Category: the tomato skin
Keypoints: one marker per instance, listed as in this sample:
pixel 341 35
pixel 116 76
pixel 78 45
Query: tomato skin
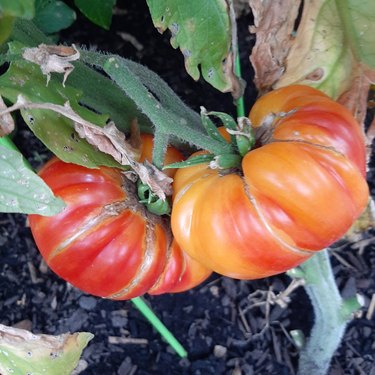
pixel 296 194
pixel 105 242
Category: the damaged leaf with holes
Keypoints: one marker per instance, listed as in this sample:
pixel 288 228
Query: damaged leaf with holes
pixel 202 31
pixel 54 130
pixel 22 352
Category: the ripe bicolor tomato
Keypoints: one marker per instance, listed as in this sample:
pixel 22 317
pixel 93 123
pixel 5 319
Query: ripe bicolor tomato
pixel 297 192
pixel 105 242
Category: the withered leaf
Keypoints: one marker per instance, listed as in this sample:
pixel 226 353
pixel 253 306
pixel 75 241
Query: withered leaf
pixel 355 97
pixel 273 25
pixel 53 59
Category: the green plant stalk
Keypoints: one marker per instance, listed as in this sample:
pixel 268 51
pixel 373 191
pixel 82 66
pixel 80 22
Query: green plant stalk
pixel 240 103
pixel 159 326
pixel 332 313
pixel 138 301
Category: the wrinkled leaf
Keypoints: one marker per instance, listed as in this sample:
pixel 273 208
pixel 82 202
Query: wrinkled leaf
pixel 97 11
pixel 355 98
pixel 21 190
pixel 52 59
pixel 22 352
pixel 332 36
pixel 53 15
pixel 18 8
pixel 202 30
pixel 273 26
pixel 54 130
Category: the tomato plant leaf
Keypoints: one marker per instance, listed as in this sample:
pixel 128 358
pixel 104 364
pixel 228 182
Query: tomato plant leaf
pixel 97 11
pixel 6 27
pixel 21 190
pixel 53 15
pixel 332 39
pixel 358 19
pixel 54 130
pixel 202 30
pixel 22 352
pixel 18 8
pixel 194 160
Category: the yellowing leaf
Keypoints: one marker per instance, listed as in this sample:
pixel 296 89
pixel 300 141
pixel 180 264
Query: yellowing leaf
pixel 22 352
pixel 332 39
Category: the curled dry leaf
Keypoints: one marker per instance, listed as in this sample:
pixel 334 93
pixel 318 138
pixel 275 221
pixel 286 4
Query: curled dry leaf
pixel 112 141
pixel 53 59
pixel 273 25
pixel 6 120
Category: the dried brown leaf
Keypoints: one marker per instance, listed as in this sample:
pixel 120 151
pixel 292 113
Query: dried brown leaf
pixel 53 59
pixel 6 120
pixel 356 100
pixel 273 25
pixel 107 139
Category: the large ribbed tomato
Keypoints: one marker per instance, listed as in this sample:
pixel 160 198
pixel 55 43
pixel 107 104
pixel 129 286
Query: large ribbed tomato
pixel 296 193
pixel 105 242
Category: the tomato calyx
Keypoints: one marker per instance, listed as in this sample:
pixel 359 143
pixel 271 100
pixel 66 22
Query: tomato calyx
pixel 151 201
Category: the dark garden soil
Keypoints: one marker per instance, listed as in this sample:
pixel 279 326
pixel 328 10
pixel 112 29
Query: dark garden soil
pixel 226 325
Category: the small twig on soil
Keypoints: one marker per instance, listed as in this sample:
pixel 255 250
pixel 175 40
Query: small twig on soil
pixel 371 308
pixel 126 340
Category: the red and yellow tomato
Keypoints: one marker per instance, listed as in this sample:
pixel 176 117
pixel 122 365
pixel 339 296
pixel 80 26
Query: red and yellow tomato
pixel 105 242
pixel 296 193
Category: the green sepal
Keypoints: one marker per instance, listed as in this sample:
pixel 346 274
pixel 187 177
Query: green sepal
pixel 225 161
pixel 245 139
pixel 194 160
pixel 153 203
pixel 228 121
pixel 210 127
pixel 159 207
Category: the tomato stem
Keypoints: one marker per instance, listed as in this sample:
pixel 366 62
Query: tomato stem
pixel 332 314
pixel 140 304
pixel 240 103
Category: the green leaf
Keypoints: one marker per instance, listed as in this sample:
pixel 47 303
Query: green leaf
pixel 22 352
pixel 97 11
pixel 334 38
pixel 21 190
pixel 54 130
pixel 6 27
pixel 53 15
pixel 201 29
pixel 18 8
pixel 358 18
pixel 194 160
